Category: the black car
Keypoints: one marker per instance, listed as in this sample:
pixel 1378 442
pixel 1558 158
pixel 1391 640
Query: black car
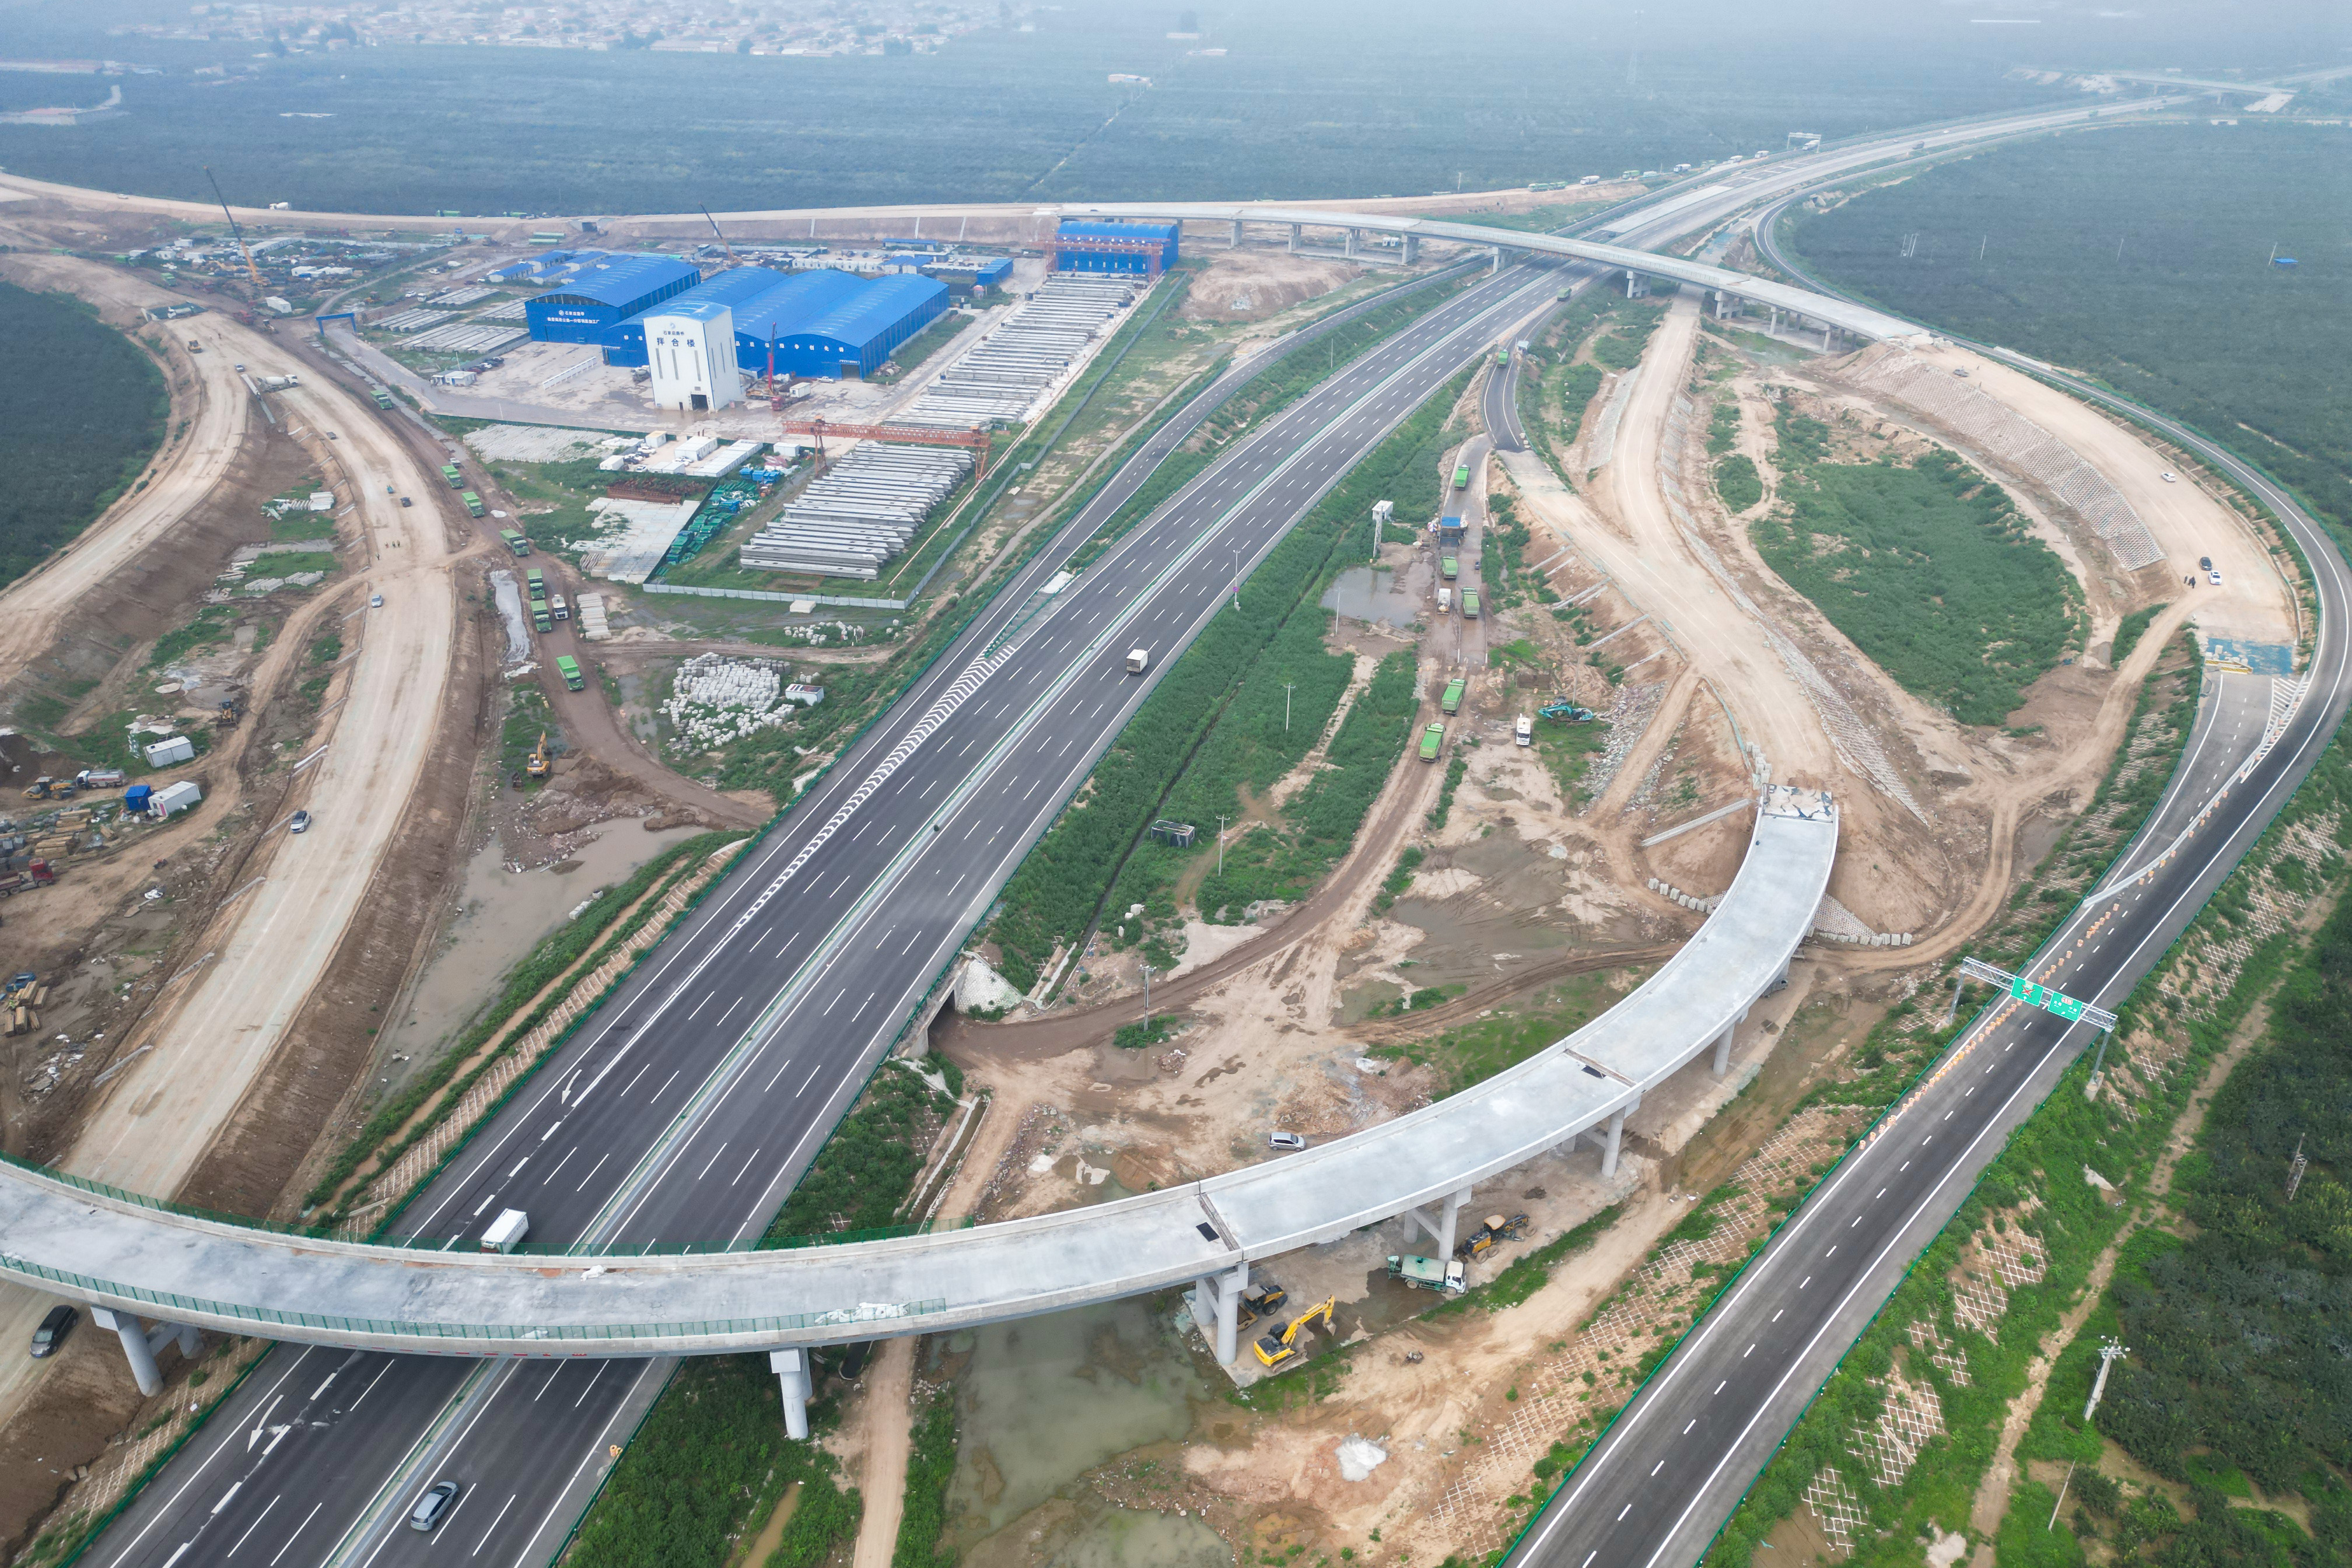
pixel 434 1506
pixel 53 1331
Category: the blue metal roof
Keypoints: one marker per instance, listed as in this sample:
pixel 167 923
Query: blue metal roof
pixel 879 306
pixel 693 309
pixel 792 306
pixel 737 286
pixel 1080 228
pixel 625 278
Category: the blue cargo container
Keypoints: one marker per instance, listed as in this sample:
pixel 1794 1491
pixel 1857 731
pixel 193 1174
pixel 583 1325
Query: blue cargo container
pixel 135 799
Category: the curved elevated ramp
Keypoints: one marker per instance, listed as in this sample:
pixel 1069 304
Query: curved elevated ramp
pixel 117 1252
pixel 1846 317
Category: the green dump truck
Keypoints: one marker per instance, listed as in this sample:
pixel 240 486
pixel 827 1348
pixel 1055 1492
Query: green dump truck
pixel 449 472
pixel 514 542
pixel 1469 603
pixel 569 668
pixel 473 502
pixel 1461 476
pixel 1449 567
pixel 1453 699
pixel 1432 741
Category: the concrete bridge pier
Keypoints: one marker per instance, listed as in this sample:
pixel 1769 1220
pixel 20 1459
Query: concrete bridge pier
pixel 1237 234
pixel 1294 237
pixel 1411 249
pixel 1222 1296
pixel 1443 1230
pixel 1776 317
pixel 1615 1140
pixel 1355 243
pixel 790 1367
pixel 139 1345
pixel 1723 1050
pixel 1494 261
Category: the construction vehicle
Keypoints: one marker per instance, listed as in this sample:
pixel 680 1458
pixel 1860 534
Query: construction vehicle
pixel 1562 708
pixel 1262 1302
pixel 40 787
pixel 1469 603
pixel 1448 567
pixel 1432 741
pixel 1451 702
pixel 536 764
pixel 514 542
pixel 449 472
pixel 98 778
pixel 37 875
pixel 1277 1350
pixel 226 716
pixel 251 270
pixel 1461 476
pixel 473 502
pixel 194 347
pixel 1427 1273
pixel 382 398
pixel 1496 1228
pixel 1523 730
pixel 534 583
pixel 558 608
pixel 569 668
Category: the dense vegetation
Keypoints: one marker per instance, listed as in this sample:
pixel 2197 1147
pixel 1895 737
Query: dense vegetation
pixel 930 1469
pixel 868 1165
pixel 2237 1332
pixel 70 441
pixel 1213 726
pixel 1310 100
pixel 1928 568
pixel 711 1455
pixel 1737 482
pixel 2019 246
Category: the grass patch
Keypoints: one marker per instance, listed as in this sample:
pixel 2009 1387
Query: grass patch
pixel 1457 768
pixel 1737 482
pixel 1926 567
pixel 1393 886
pixel 214 625
pixel 287 563
pixel 2130 629
pixel 1476 1051
pixel 930 1467
pixel 908 356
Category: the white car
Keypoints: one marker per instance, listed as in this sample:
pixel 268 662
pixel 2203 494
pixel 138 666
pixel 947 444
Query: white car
pixel 2214 578
pixel 1284 1140
pixel 2169 478
pixel 375 601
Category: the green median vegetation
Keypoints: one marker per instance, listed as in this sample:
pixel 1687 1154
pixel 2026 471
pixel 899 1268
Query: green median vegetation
pixel 930 1469
pixel 1926 567
pixel 1213 728
pixel 864 1172
pixel 711 1457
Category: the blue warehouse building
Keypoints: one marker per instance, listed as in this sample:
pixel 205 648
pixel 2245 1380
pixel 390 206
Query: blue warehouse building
pixel 604 292
pixel 1149 248
pixel 818 323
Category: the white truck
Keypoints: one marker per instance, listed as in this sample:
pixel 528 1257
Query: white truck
pixel 1444 601
pixel 507 1231
pixel 1428 1273
pixel 1524 732
pixel 1138 659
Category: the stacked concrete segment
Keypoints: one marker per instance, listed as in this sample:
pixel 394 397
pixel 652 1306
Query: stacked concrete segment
pixel 861 514
pixel 1024 359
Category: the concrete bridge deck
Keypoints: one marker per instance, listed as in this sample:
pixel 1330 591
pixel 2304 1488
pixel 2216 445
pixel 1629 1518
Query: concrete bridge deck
pixel 1844 315
pixel 149 1261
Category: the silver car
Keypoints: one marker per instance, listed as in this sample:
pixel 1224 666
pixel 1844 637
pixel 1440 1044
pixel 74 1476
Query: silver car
pixel 434 1506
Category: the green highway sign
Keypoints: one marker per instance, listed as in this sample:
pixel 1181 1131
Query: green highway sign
pixel 2041 996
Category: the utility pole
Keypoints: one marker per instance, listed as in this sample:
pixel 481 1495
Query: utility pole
pixel 1221 846
pixel 2107 1354
pixel 1980 246
pixel 2120 250
pixel 2295 1170
pixel 1285 729
pixel 1147 999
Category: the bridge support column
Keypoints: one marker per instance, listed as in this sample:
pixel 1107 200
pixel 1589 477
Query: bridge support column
pixel 1615 1141
pixel 1411 249
pixel 1294 237
pixel 1494 261
pixel 136 1347
pixel 1355 240
pixel 1723 1050
pixel 1227 1298
pixel 790 1367
pixel 1443 1230
pixel 1776 317
pixel 1237 234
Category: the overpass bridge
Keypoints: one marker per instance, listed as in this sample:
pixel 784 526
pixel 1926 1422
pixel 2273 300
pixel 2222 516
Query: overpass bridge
pixel 132 1257
pixel 1784 299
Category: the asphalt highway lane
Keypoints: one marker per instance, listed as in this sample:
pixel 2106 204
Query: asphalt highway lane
pixel 688 1106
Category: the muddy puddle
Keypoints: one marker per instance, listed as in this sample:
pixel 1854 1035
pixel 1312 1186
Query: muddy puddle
pixel 1042 1402
pixel 1373 594
pixel 503 915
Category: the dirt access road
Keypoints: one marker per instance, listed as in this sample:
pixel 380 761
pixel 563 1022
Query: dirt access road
pixel 207 393
pixel 187 1067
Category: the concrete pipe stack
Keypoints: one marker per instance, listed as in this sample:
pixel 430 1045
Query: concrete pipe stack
pixel 715 700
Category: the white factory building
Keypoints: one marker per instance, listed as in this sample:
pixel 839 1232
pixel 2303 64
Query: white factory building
pixel 691 352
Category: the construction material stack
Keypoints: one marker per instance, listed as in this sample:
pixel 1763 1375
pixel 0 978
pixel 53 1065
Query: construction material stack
pixel 865 512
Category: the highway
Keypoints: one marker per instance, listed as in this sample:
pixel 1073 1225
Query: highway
pixel 693 1101
pixel 1670 1470
pixel 691 1104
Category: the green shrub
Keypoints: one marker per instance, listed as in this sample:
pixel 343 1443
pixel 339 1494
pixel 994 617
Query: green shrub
pixel 1737 482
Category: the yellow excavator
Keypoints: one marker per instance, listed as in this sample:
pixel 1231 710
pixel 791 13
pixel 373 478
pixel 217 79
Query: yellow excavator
pixel 1274 1350
pixel 536 764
